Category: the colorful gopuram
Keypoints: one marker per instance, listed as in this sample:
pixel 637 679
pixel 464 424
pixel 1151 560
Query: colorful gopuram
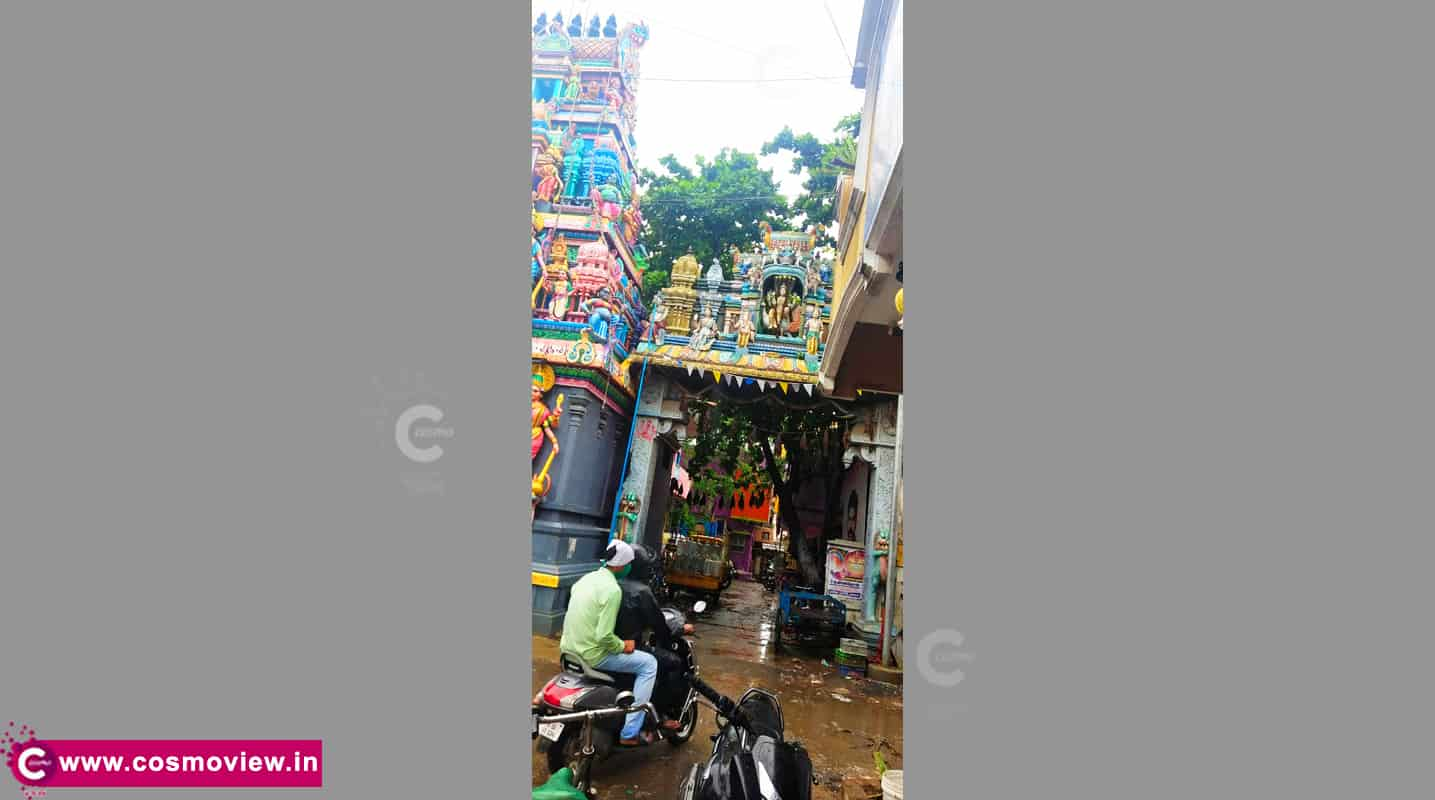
pixel 587 313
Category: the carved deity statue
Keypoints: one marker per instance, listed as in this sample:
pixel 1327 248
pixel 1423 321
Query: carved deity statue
pixel 745 327
pixel 813 329
pixel 573 158
pixel 572 84
pixel 632 222
pixel 706 332
pixel 543 421
pixel 658 323
pixel 562 291
pixel 606 199
pixel 537 268
pixel 549 184
pixel 628 518
pixel 602 315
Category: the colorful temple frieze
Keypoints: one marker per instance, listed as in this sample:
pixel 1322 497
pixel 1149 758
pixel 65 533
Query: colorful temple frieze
pixel 767 324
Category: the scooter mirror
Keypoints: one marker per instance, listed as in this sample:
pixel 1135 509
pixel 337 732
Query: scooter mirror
pixel 625 699
pixel 700 606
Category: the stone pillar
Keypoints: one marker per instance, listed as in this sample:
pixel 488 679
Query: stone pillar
pixel 874 440
pixel 659 413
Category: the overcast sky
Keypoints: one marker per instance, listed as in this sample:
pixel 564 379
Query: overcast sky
pixel 706 46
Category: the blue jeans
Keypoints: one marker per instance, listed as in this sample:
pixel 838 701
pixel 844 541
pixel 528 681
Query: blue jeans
pixel 645 667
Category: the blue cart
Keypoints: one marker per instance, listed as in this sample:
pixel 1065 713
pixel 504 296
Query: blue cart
pixel 808 618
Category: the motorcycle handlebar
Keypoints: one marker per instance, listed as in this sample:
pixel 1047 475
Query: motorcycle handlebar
pixel 725 705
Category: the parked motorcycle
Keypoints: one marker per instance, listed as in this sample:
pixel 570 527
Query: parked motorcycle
pixel 767 576
pixel 750 758
pixel 578 715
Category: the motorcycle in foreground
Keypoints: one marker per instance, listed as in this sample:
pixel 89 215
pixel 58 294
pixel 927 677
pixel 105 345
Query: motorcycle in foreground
pixel 578 715
pixel 750 758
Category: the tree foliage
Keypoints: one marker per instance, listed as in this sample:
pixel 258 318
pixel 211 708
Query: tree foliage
pixel 784 446
pixel 705 211
pixel 825 163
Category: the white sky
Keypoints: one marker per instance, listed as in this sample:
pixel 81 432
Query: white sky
pixel 735 39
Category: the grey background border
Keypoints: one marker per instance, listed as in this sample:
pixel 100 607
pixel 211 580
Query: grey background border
pixel 1169 401
pixel 240 238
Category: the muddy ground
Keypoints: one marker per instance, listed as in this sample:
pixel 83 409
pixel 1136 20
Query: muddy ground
pixel 841 721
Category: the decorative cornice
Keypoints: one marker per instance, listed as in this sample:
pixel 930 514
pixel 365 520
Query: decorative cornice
pixel 781 369
pixel 596 381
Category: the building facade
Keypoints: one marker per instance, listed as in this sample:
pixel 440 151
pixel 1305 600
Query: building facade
pixel 864 342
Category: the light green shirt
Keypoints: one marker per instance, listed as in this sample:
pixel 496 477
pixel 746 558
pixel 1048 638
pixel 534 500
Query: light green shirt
pixel 592 612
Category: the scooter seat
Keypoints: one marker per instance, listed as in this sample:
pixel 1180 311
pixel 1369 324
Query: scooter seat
pixel 578 666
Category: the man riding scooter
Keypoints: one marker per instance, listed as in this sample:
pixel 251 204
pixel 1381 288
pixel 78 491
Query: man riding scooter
pixel 640 612
pixel 589 633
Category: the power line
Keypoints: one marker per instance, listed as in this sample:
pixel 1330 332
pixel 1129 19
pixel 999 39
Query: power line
pixel 833 20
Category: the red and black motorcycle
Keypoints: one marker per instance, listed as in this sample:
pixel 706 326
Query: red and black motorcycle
pixel 578 715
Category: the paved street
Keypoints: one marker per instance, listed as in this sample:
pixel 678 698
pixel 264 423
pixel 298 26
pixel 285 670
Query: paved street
pixel 841 721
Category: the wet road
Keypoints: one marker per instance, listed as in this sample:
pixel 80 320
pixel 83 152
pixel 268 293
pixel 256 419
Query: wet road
pixel 840 721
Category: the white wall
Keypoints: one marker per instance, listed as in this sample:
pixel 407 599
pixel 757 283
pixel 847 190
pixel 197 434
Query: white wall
pixel 884 126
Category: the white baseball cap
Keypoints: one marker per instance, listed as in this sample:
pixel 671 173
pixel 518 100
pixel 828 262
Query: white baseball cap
pixel 618 554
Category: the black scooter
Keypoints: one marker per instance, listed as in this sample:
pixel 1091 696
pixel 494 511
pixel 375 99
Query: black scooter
pixel 579 714
pixel 750 759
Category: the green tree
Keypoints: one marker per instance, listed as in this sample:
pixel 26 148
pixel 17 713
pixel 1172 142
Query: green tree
pixel 825 163
pixel 791 446
pixel 705 211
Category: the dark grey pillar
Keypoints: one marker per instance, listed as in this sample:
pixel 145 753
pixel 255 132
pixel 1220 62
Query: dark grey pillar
pixel 571 526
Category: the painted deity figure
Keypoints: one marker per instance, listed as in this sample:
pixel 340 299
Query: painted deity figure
pixel 606 199
pixel 628 518
pixel 573 158
pixel 601 315
pixel 562 292
pixel 793 314
pixel 543 421
pixel 549 184
pixel 537 269
pixel 776 309
pixel 813 328
pixel 814 279
pixel 658 323
pixel 632 222
pixel 570 87
pixel 614 95
pixel 706 332
pixel 745 328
